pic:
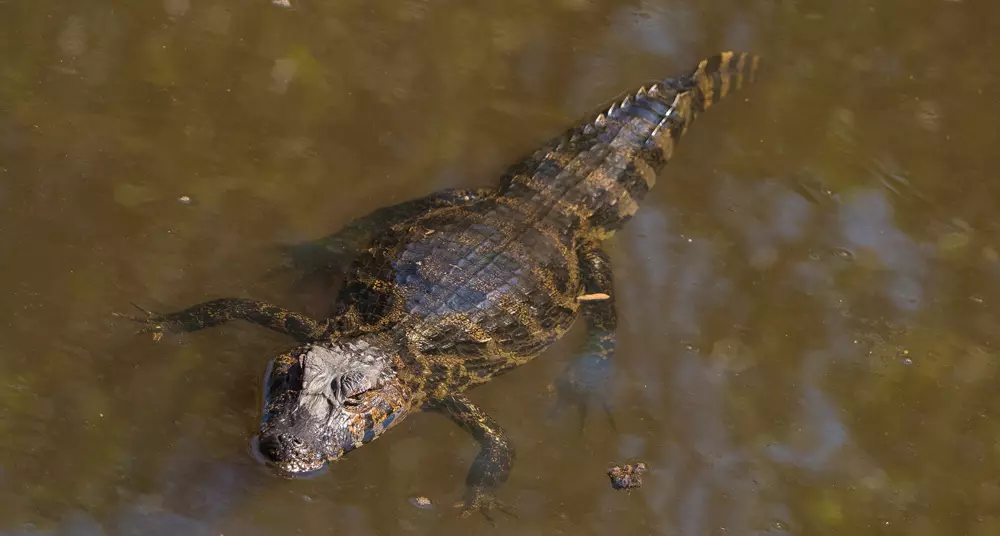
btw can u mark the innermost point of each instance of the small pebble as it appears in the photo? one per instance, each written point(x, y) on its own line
point(184, 199)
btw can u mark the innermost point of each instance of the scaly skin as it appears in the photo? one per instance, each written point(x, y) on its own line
point(451, 290)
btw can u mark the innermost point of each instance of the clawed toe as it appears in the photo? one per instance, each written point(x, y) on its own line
point(486, 503)
point(150, 321)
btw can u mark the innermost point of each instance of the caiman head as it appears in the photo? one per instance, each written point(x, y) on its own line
point(322, 401)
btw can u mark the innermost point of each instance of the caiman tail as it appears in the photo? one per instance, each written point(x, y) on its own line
point(601, 170)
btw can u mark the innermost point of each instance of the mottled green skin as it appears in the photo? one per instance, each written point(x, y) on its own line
point(456, 288)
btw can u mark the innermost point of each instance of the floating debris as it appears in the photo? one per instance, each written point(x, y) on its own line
point(843, 253)
point(281, 3)
point(628, 476)
point(186, 200)
point(593, 297)
point(421, 502)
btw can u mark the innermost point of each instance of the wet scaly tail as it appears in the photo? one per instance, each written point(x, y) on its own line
point(601, 170)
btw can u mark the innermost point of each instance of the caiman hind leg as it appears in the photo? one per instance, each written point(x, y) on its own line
point(492, 466)
point(215, 312)
point(586, 380)
point(333, 254)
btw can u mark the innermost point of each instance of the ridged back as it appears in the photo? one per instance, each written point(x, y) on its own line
point(597, 173)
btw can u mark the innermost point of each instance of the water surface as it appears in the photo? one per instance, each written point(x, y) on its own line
point(808, 298)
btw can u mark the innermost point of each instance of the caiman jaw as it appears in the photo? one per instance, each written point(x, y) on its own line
point(290, 455)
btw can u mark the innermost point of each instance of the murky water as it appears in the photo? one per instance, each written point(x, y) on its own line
point(808, 298)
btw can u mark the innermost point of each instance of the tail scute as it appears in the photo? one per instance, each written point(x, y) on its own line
point(710, 82)
point(714, 76)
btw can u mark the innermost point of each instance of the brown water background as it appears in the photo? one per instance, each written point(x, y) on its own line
point(808, 299)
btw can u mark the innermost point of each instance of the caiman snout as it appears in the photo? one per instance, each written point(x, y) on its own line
point(290, 454)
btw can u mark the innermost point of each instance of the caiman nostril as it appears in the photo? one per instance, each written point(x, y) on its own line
point(270, 448)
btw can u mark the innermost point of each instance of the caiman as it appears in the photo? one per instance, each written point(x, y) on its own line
point(448, 291)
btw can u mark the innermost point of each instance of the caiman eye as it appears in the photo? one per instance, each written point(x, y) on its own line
point(353, 401)
point(349, 390)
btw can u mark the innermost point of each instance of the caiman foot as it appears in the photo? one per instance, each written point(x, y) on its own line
point(585, 384)
point(151, 322)
point(485, 502)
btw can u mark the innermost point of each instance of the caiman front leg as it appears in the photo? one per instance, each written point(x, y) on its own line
point(586, 381)
point(215, 312)
point(492, 466)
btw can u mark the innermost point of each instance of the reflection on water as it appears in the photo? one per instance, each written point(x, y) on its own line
point(808, 333)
